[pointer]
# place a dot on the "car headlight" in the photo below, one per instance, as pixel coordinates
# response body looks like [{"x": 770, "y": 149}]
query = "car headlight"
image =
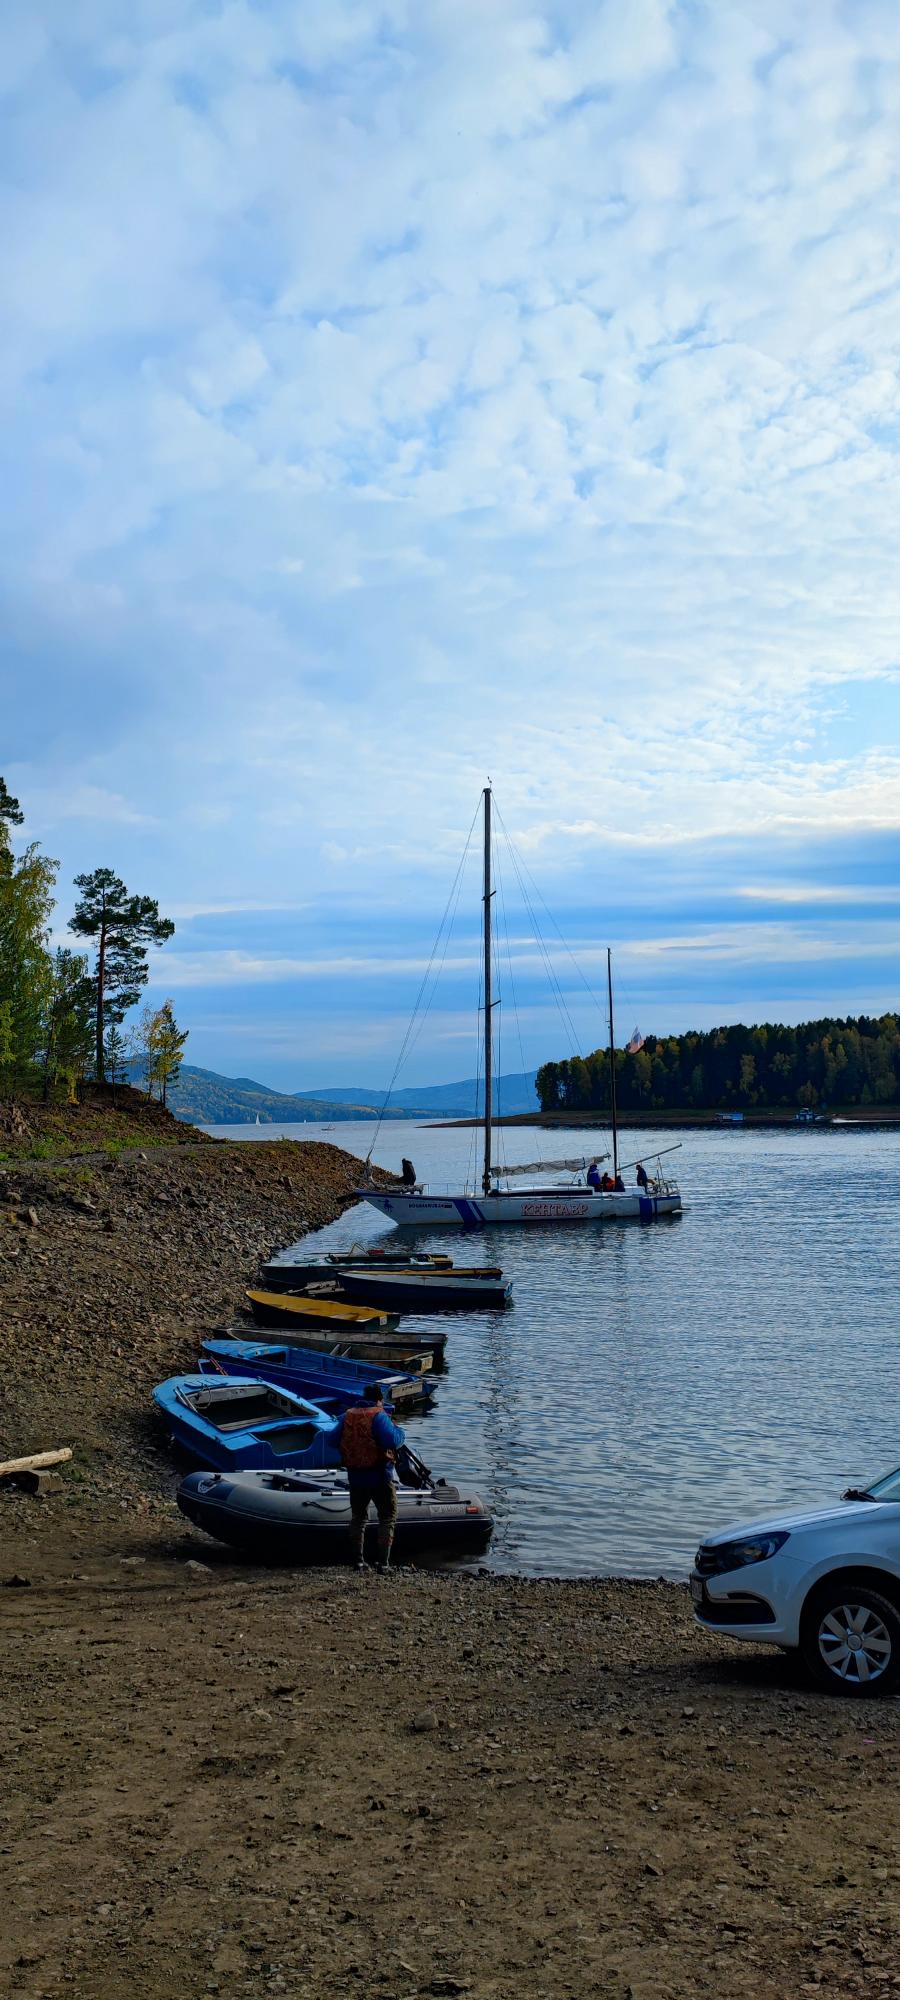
[{"x": 726, "y": 1556}]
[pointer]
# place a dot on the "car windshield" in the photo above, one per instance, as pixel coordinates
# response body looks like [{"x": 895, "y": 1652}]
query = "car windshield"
[{"x": 887, "y": 1488}]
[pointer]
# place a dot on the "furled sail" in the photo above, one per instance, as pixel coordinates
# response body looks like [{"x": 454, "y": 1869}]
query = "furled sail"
[{"x": 548, "y": 1166}]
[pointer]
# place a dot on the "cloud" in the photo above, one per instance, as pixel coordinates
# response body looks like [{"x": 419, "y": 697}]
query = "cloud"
[{"x": 392, "y": 396}]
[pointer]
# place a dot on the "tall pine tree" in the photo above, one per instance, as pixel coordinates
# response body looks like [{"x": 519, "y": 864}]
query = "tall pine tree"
[{"x": 124, "y": 927}]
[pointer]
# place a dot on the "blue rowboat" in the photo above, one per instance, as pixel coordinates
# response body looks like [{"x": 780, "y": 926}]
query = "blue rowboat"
[
  {"x": 236, "y": 1423},
  {"x": 334, "y": 1381}
]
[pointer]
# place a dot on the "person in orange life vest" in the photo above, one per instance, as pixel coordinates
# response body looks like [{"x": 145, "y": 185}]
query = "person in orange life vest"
[{"x": 367, "y": 1441}]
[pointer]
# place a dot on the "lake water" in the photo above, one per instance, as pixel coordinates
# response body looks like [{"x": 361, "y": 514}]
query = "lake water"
[{"x": 651, "y": 1383}]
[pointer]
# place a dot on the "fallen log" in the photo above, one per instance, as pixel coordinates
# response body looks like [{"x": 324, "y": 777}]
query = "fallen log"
[{"x": 38, "y": 1462}]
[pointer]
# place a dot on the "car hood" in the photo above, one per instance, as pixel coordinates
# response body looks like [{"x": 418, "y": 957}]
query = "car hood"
[{"x": 816, "y": 1517}]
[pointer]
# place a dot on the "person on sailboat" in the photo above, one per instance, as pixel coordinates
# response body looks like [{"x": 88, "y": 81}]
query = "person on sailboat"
[
  {"x": 593, "y": 1174},
  {"x": 619, "y": 1185},
  {"x": 407, "y": 1173},
  {"x": 641, "y": 1176},
  {"x": 368, "y": 1442},
  {"x": 607, "y": 1184}
]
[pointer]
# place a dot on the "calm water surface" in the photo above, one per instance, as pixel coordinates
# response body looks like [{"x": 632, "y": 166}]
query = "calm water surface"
[{"x": 651, "y": 1383}]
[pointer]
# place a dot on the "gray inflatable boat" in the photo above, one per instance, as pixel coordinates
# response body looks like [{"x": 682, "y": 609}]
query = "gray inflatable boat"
[{"x": 284, "y": 1516}]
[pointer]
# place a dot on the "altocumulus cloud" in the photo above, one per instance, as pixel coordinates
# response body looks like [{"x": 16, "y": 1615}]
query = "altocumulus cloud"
[{"x": 396, "y": 394}]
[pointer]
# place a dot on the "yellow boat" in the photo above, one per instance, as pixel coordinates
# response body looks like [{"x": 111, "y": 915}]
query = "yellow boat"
[{"x": 287, "y": 1309}]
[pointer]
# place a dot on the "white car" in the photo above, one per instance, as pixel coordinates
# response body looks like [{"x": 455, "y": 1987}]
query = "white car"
[{"x": 826, "y": 1583}]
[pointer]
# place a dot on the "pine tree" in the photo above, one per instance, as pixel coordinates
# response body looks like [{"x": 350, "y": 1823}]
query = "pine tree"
[
  {"x": 170, "y": 1041},
  {"x": 124, "y": 927},
  {"x": 68, "y": 1023}
]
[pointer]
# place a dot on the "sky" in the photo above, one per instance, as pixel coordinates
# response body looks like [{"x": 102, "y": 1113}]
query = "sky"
[{"x": 396, "y": 396}]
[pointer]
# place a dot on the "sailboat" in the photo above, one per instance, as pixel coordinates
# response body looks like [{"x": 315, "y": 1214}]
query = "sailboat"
[{"x": 541, "y": 1200}]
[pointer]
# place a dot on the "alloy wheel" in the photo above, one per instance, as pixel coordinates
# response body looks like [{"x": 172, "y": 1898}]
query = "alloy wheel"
[{"x": 854, "y": 1643}]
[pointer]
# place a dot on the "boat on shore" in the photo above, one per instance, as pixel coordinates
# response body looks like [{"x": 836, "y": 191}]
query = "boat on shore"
[
  {"x": 332, "y": 1381},
  {"x": 323, "y": 1274},
  {"x": 305, "y": 1517},
  {"x": 415, "y": 1292},
  {"x": 297, "y": 1309},
  {"x": 242, "y": 1422},
  {"x": 541, "y": 1201},
  {"x": 404, "y": 1349}
]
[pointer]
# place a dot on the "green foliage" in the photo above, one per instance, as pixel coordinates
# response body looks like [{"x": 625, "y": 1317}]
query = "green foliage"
[
  {"x": 26, "y": 903},
  {"x": 68, "y": 1024},
  {"x": 123, "y": 926},
  {"x": 853, "y": 1061},
  {"x": 170, "y": 1044}
]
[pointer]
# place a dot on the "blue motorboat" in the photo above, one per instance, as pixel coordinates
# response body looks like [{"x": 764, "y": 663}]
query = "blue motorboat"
[
  {"x": 237, "y": 1422},
  {"x": 333, "y": 1381}
]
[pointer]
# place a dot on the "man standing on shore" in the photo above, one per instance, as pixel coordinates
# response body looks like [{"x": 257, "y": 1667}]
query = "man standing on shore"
[{"x": 368, "y": 1441}]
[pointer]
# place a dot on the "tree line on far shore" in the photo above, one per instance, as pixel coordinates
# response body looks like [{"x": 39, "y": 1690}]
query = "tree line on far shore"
[
  {"x": 62, "y": 1012},
  {"x": 829, "y": 1062}
]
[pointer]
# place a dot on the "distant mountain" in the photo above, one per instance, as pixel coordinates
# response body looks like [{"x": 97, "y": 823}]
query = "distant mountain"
[
  {"x": 203, "y": 1097},
  {"x": 512, "y": 1094}
]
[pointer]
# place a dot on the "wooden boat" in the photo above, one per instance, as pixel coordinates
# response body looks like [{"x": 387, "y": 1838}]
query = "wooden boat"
[
  {"x": 305, "y": 1516},
  {"x": 411, "y": 1291},
  {"x": 333, "y": 1381},
  {"x": 296, "y": 1309},
  {"x": 242, "y": 1422},
  {"x": 322, "y": 1276},
  {"x": 413, "y": 1352}
]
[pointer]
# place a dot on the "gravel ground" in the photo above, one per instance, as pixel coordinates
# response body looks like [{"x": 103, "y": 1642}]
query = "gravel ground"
[{"x": 221, "y": 1780}]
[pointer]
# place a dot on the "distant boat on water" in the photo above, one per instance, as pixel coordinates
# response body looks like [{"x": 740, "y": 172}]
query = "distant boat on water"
[{"x": 575, "y": 1200}]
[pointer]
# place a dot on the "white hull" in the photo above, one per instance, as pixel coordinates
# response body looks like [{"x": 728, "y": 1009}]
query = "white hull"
[{"x": 529, "y": 1205}]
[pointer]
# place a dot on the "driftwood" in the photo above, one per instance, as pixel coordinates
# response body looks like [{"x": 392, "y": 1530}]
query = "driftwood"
[{"x": 38, "y": 1462}]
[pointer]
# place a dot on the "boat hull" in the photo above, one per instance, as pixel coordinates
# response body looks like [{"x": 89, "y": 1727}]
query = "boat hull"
[
  {"x": 410, "y": 1351},
  {"x": 332, "y": 1381},
  {"x": 528, "y": 1207},
  {"x": 300, "y": 1522},
  {"x": 299, "y": 1311},
  {"x": 442, "y": 1293}
]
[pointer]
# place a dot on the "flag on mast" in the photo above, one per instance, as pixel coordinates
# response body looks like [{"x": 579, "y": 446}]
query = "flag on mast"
[{"x": 636, "y": 1042}]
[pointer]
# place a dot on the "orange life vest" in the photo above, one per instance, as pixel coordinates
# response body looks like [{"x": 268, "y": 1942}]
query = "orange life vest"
[{"x": 360, "y": 1451}]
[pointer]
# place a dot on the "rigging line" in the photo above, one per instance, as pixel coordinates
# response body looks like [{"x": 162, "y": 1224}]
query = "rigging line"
[
  {"x": 437, "y": 976},
  {"x": 512, "y": 983},
  {"x": 548, "y": 965},
  {"x": 425, "y": 977},
  {"x": 555, "y": 987},
  {"x": 599, "y": 1004}
]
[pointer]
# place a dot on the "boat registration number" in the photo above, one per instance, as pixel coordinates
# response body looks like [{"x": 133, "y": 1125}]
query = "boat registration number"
[{"x": 698, "y": 1589}]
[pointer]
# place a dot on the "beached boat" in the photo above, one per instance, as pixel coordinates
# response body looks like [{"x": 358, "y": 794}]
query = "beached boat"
[
  {"x": 305, "y": 1517},
  {"x": 541, "y": 1200},
  {"x": 296, "y": 1309},
  {"x": 322, "y": 1277},
  {"x": 418, "y": 1292},
  {"x": 243, "y": 1422},
  {"x": 402, "y": 1349},
  {"x": 333, "y": 1381}
]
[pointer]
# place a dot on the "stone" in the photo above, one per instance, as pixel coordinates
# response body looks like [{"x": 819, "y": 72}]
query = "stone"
[{"x": 425, "y": 1720}]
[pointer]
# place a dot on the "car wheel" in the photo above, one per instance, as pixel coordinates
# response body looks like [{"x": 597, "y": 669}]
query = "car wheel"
[{"x": 851, "y": 1641}]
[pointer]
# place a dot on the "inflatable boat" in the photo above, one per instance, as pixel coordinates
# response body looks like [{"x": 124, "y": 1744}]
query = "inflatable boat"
[{"x": 305, "y": 1516}]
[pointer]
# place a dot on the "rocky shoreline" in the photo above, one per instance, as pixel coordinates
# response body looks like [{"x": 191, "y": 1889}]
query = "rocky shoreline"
[
  {"x": 110, "y": 1272},
  {"x": 220, "y": 1780}
]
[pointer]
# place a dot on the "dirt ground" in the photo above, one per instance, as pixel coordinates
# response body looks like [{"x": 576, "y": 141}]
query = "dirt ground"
[{"x": 232, "y": 1781}]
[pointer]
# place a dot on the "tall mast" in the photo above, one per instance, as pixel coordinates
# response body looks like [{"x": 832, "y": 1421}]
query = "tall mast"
[
  {"x": 612, "y": 1069},
  {"x": 488, "y": 1051}
]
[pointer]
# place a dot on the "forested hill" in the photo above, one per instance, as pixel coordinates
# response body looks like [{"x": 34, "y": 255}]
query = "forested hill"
[{"x": 819, "y": 1063}]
